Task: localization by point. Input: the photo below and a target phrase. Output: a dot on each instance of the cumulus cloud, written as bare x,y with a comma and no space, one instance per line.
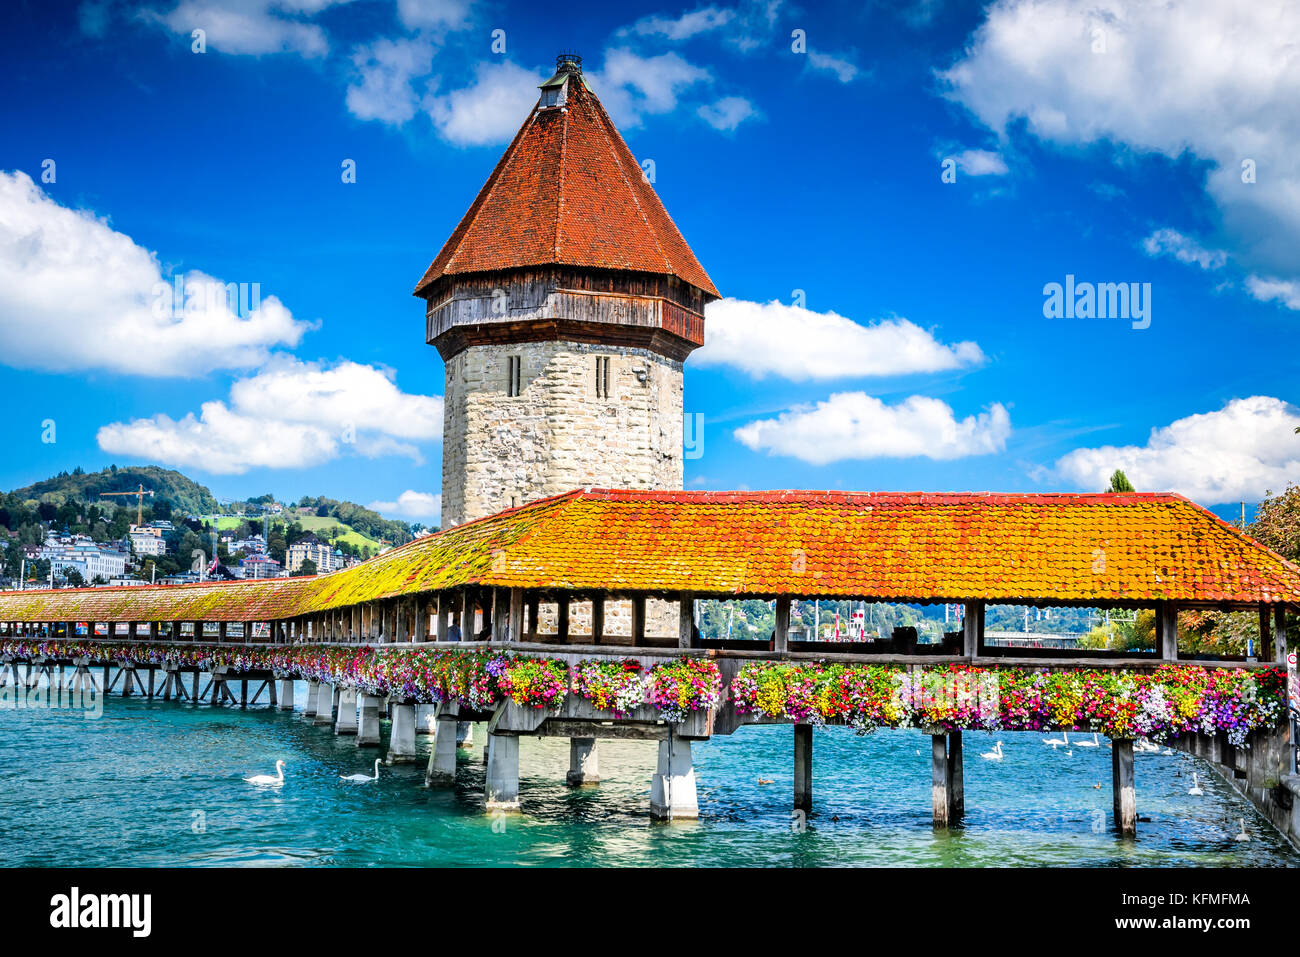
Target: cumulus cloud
421,506
1214,79
433,14
796,343
845,70
251,27
632,86
694,23
1170,242
854,425
291,414
1285,291
1232,455
383,88
981,163
490,109
76,294
727,113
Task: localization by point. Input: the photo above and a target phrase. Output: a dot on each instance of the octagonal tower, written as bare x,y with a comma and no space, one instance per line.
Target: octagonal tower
563,304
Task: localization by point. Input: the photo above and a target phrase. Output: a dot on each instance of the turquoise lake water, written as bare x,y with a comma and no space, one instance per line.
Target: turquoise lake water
159,783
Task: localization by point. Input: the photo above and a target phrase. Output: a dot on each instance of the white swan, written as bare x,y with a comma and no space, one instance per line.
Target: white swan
1094,743
1054,742
1243,836
276,778
362,778
995,754
1195,789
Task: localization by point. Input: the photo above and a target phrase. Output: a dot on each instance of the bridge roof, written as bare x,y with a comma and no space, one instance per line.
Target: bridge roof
1106,549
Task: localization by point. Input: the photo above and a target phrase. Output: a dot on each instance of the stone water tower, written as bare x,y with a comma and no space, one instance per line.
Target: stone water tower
563,304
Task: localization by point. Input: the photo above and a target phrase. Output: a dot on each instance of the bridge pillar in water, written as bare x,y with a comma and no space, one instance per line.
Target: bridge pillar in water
947,789
426,718
584,766
368,725
1121,764
464,734
313,693
442,761
672,787
286,694
503,773
803,752
325,704
401,743
346,702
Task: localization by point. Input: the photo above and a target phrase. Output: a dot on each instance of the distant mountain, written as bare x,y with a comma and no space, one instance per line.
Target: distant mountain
185,496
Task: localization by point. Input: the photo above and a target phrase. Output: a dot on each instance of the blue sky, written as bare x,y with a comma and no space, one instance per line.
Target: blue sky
883,328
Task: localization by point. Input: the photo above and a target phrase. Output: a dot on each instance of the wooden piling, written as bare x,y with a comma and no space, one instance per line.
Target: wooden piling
803,752
1125,797
939,779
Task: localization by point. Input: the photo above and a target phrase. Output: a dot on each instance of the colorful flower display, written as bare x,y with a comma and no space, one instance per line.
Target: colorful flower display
679,687
611,685
1161,705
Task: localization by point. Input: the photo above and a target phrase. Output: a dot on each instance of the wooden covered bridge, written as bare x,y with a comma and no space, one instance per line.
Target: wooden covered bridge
571,577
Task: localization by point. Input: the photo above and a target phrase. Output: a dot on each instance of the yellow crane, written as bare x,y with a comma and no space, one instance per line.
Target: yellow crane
139,494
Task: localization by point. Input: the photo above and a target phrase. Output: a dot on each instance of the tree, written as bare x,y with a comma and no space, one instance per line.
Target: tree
308,567
1119,482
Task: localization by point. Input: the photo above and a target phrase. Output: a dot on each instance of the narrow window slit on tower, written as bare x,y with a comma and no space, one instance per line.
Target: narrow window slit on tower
514,379
602,377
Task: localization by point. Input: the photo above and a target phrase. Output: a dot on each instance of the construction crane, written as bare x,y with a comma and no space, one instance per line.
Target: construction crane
139,494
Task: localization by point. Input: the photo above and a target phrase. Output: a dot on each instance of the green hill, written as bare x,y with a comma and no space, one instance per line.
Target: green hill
185,496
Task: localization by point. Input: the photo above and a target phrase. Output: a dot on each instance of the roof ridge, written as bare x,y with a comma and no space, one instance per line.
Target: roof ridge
559,192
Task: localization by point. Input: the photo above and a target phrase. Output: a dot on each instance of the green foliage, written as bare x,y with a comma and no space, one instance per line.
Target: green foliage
1119,482
78,488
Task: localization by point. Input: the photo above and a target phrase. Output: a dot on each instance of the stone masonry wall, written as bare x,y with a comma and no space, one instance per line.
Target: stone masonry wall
558,434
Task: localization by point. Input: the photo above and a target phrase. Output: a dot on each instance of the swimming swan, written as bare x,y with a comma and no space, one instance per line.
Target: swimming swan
1094,743
1243,836
362,778
276,778
995,754
1196,786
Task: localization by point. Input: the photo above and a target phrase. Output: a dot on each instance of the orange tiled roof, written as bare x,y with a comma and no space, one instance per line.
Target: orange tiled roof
1099,549
568,192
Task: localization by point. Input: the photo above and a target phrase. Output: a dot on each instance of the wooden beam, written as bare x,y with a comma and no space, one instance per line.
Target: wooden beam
1279,634
638,620
1265,650
534,606
562,617
972,628
500,614
444,615
781,638
597,619
516,625
1121,777
686,620
1167,630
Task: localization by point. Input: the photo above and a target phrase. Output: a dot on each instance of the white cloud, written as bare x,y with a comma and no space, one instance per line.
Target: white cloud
385,70
844,69
981,163
433,14
727,113
411,505
1232,455
76,294
252,27
292,414
694,23
491,109
797,343
632,86
1214,79
1285,291
854,425
1170,242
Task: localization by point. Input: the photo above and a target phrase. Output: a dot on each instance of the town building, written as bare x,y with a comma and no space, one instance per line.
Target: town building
310,548
84,556
259,566
147,540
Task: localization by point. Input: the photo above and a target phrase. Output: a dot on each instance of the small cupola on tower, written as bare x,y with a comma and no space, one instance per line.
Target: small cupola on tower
564,304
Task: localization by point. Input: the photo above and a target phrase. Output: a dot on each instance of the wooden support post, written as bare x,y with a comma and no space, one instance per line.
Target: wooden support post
221,631
562,617
500,614
1121,764
939,779
781,639
421,622
597,619
1279,634
803,753
534,608
444,615
956,782
516,626
466,616
972,629
1265,650
638,620
1167,630
686,620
